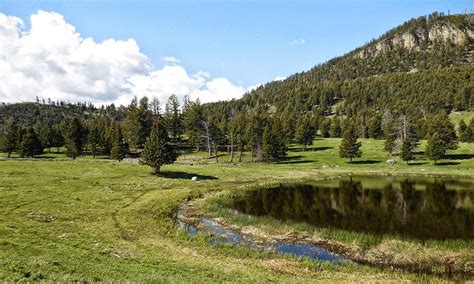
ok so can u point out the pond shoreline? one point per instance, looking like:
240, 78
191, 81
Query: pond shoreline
192, 212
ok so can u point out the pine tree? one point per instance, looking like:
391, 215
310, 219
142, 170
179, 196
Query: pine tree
30, 144
274, 144
463, 131
173, 117
145, 120
94, 138
305, 131
325, 128
336, 129
119, 145
407, 153
57, 137
435, 148
158, 151
441, 137
390, 136
350, 147
256, 123
74, 135
193, 118
238, 126
470, 131
9, 142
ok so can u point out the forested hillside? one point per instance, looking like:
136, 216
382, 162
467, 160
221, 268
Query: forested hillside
419, 67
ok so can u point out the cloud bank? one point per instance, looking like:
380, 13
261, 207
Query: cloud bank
52, 60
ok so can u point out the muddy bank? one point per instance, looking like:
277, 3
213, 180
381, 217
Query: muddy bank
390, 254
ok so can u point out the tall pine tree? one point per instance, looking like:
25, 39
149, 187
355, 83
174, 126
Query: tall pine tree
350, 147
158, 151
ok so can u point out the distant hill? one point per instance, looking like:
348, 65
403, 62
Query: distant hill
424, 65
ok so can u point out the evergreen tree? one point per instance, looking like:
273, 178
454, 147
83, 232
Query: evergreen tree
336, 129
408, 147
119, 145
238, 126
57, 137
463, 131
350, 147
325, 128
94, 138
9, 142
390, 136
441, 137
158, 151
193, 118
274, 144
138, 122
305, 131
145, 120
173, 117
375, 127
74, 136
30, 144
256, 123
470, 131
155, 107
435, 148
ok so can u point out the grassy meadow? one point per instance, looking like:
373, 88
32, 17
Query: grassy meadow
101, 220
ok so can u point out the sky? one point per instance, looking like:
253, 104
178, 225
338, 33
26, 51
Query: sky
108, 51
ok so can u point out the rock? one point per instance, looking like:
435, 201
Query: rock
325, 166
194, 178
391, 162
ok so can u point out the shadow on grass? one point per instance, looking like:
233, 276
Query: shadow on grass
284, 162
459, 156
447, 163
417, 163
365, 162
45, 157
184, 175
310, 149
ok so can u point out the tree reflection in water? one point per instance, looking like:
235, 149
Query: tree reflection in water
415, 208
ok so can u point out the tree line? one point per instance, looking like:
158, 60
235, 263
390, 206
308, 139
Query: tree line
144, 129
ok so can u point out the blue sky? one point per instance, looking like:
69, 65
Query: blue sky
248, 42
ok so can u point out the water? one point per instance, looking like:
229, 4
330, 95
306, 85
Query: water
225, 235
418, 208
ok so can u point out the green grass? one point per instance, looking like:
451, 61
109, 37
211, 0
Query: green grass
100, 220
457, 116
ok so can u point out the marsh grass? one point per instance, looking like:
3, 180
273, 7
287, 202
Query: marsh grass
101, 220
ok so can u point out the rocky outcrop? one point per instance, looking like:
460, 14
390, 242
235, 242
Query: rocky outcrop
419, 38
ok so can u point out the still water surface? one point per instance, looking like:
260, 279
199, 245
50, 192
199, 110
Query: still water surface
414, 207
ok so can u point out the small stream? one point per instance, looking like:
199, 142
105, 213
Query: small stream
225, 235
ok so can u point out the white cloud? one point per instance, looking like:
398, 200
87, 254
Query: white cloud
298, 41
52, 60
279, 78
170, 59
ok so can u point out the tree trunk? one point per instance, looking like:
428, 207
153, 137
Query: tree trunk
259, 150
350, 160
215, 151
231, 148
241, 153
157, 171
9, 153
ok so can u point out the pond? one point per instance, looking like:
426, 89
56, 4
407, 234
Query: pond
420, 208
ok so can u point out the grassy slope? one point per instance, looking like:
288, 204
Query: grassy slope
100, 220
457, 116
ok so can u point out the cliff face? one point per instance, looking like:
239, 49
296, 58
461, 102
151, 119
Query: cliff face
420, 39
